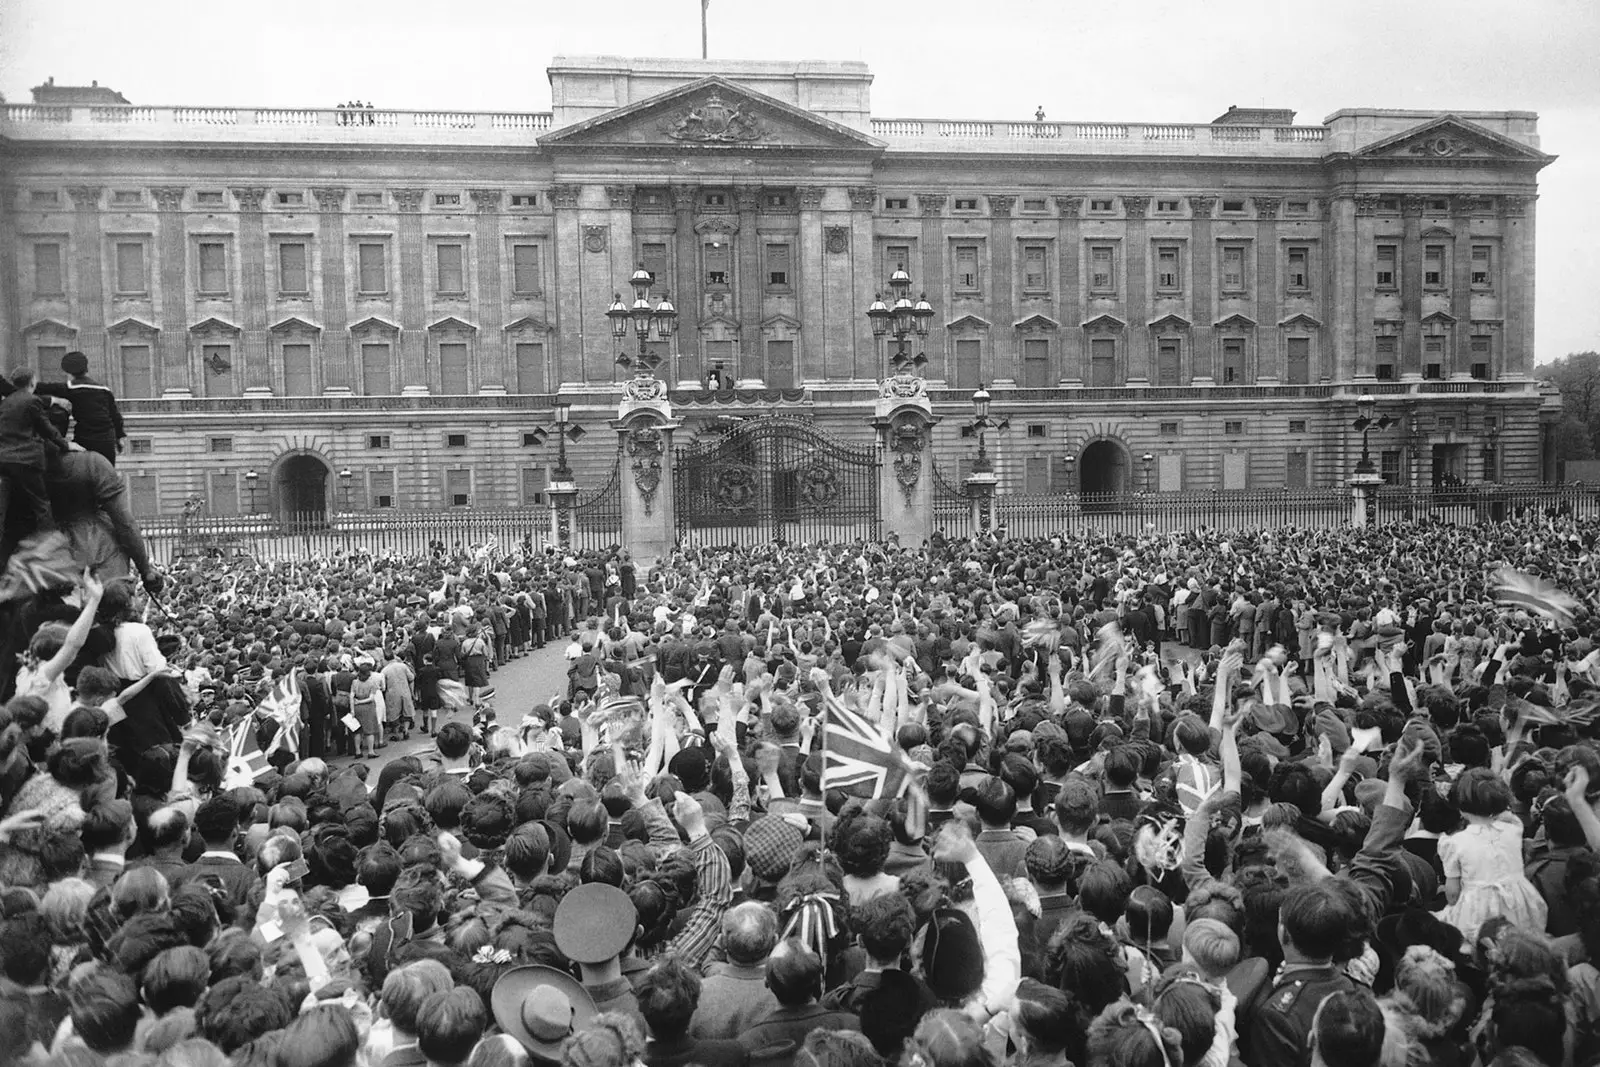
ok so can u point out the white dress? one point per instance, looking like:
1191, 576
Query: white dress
1487, 857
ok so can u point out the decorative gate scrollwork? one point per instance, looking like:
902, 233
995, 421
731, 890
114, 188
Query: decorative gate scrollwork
776, 478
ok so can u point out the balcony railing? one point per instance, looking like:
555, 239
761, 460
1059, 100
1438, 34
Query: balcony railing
1101, 136
357, 125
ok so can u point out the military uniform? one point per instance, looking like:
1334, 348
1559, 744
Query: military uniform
1280, 1024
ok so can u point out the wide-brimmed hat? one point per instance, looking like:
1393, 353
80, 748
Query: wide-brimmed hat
541, 1007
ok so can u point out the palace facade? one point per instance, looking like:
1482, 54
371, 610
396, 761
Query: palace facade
326, 309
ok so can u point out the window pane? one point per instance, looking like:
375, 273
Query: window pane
142, 492
453, 367
376, 379
1036, 364
130, 268
778, 266
213, 268
1299, 273
1167, 276
216, 367
1481, 260
451, 277
136, 383
1102, 362
533, 485
381, 486
1297, 368
1233, 268
969, 364
1102, 268
224, 494
292, 268
966, 266
1035, 269
1232, 361
780, 364
47, 279
374, 271
297, 370
716, 264
719, 359
530, 367
1167, 368
525, 268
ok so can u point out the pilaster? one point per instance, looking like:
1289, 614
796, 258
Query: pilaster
416, 376
493, 374
565, 283
813, 318
1138, 306
686, 368
1517, 232
1002, 290
1461, 285
863, 362
1411, 208
335, 301
932, 278
1267, 288
87, 247
171, 292
1341, 271
1069, 252
1363, 264
1202, 257
752, 359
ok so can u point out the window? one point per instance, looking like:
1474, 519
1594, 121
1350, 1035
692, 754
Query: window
1433, 267
780, 365
458, 488
1103, 362
1447, 423
1295, 474
1233, 269
1439, 204
1233, 428
146, 500
1482, 346
216, 369
1385, 273
1388, 203
127, 198
446, 199
209, 198
377, 376
1296, 209
1298, 259
1038, 430
380, 488
369, 200
530, 366
292, 275
1235, 470
1035, 204
379, 440
43, 197
525, 269
1297, 425
220, 444
1297, 361
297, 377
895, 257
1235, 207
453, 367
969, 363
776, 200
653, 258
372, 264
524, 200
1169, 429
49, 356
130, 268
716, 200
1168, 207
896, 203
716, 256
213, 268
1035, 268
452, 270
47, 273
534, 484
1036, 364
1036, 475
1482, 265
1232, 360
967, 277
140, 446
966, 203
1102, 268
1383, 365
1169, 276
291, 199
137, 375
224, 493
1433, 358
777, 266
1167, 365
1102, 205
455, 440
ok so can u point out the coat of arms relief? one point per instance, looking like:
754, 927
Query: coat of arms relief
714, 122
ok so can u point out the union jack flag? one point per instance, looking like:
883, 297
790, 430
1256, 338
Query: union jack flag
1514, 589
857, 754
246, 761
282, 705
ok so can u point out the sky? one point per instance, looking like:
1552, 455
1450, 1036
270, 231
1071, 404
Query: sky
1138, 60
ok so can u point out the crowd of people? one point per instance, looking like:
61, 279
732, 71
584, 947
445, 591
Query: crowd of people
1265, 797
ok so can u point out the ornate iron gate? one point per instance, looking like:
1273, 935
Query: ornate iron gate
597, 518
775, 478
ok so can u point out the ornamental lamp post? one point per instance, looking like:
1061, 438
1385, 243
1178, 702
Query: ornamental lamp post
1147, 459
346, 476
901, 318
250, 477
1366, 479
982, 481
662, 317
563, 490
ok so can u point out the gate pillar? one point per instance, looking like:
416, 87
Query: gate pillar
644, 426
904, 420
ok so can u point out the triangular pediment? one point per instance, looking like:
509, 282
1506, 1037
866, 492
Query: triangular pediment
294, 323
1170, 321
132, 324
1443, 318
1301, 321
375, 322
1235, 322
1451, 137
450, 322
528, 323
1106, 321
710, 113
968, 322
711, 321
780, 321
48, 326
1435, 231
1036, 321
214, 324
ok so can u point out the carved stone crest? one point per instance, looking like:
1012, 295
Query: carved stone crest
902, 387
906, 442
714, 122
645, 390
594, 238
837, 239
646, 445
1440, 146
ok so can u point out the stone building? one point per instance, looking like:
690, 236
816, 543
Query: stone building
374, 308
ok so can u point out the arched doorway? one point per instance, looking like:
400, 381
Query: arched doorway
300, 489
1103, 471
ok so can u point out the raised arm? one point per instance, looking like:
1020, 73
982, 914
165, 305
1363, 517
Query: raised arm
79, 632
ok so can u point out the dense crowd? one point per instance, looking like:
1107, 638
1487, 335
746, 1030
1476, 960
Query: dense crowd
1264, 797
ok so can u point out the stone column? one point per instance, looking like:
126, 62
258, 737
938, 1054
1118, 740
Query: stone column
752, 361
256, 342
415, 374
644, 435
565, 286
904, 420
1002, 291
1071, 281
171, 293
337, 375
1202, 256
863, 361
11, 287
1341, 267
1138, 305
1411, 207
1267, 288
931, 279
492, 372
1460, 356
686, 298
1516, 280
621, 260
812, 307
87, 245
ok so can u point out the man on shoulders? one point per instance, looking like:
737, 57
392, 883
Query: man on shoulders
96, 422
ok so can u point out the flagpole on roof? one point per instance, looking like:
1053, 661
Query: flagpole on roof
704, 5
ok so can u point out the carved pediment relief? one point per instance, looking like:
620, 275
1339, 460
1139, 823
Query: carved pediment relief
710, 113
375, 323
1450, 138
529, 324
1104, 322
214, 325
47, 327
294, 324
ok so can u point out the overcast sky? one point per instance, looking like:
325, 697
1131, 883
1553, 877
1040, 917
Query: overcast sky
1142, 60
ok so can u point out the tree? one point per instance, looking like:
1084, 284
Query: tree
1577, 377
1572, 439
